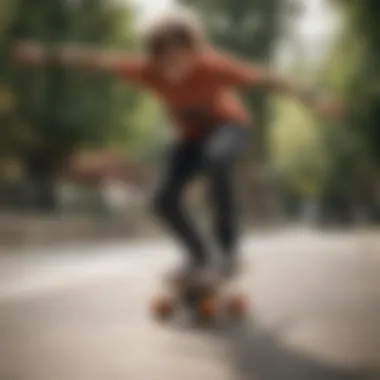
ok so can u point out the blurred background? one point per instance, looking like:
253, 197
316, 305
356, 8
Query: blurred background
78, 156
76, 143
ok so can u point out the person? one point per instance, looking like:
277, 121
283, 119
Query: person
198, 85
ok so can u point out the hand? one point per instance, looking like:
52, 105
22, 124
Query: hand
28, 52
330, 108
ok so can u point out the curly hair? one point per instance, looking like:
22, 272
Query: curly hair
178, 29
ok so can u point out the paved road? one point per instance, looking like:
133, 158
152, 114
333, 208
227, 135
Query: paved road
80, 314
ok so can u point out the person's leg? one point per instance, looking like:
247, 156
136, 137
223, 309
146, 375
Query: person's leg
221, 152
183, 163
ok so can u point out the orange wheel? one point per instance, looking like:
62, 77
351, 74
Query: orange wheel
237, 306
208, 309
163, 308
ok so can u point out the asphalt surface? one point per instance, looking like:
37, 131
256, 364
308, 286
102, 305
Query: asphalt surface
80, 313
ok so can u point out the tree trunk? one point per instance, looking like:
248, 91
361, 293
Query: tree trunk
40, 169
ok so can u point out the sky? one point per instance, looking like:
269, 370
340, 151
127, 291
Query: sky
152, 7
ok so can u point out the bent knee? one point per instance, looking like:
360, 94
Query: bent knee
215, 160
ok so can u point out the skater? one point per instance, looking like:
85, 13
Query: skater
198, 85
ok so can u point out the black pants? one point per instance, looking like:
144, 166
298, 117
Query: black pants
215, 157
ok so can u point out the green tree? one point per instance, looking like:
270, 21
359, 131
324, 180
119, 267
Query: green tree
48, 113
352, 71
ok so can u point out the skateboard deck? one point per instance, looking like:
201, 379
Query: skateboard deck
207, 300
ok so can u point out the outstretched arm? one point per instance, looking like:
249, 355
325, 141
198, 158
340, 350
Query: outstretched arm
238, 73
36, 54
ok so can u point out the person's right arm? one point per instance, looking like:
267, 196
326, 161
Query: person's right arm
36, 54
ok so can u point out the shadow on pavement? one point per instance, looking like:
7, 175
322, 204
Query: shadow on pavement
258, 355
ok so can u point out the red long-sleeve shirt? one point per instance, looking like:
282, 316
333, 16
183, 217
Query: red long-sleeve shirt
206, 98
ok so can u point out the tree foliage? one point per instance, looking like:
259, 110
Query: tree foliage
48, 113
53, 111
354, 69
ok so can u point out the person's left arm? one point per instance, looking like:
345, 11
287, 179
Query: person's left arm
237, 73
